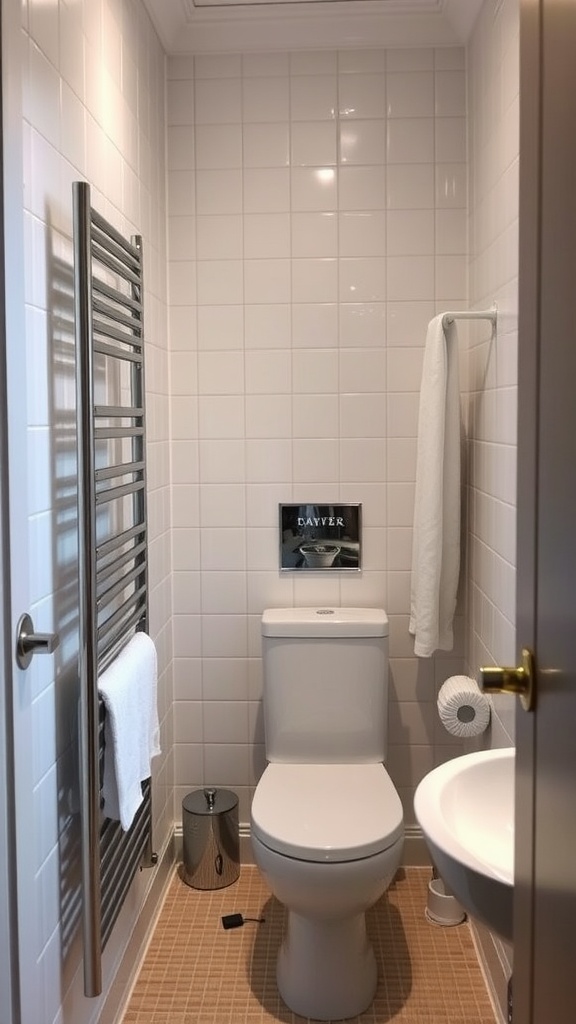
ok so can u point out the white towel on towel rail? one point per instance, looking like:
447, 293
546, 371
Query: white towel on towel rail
128, 688
437, 505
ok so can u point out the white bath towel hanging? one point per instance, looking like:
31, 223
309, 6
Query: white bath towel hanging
437, 507
131, 731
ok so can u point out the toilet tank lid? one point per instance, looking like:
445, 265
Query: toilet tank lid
326, 621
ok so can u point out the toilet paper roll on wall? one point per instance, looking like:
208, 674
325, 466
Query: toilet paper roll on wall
464, 710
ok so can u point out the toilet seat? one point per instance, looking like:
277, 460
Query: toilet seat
327, 812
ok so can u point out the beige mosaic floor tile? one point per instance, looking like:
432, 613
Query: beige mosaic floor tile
196, 972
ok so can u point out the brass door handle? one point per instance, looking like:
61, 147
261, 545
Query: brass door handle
520, 681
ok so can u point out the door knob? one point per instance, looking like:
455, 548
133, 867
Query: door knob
520, 681
28, 642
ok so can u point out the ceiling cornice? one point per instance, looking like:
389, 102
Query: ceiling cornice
210, 26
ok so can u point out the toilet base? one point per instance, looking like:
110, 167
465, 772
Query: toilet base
326, 970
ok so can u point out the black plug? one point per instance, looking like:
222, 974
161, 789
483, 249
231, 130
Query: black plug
237, 920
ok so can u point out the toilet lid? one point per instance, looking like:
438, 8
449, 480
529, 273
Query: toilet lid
327, 812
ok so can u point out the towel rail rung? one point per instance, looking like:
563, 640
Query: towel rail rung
125, 337
119, 353
108, 546
118, 297
114, 493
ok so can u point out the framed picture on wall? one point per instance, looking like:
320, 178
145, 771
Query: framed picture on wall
320, 538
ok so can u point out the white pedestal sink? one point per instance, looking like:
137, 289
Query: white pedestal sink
465, 809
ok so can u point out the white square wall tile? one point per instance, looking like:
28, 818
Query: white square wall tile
265, 65
222, 505
362, 188
410, 94
451, 186
410, 140
314, 234
267, 325
266, 145
450, 141
362, 233
315, 371
181, 148
219, 282
182, 283
219, 191
313, 189
268, 416
266, 235
410, 232
362, 280
223, 592
222, 549
220, 327
362, 324
313, 62
404, 369
362, 370
268, 459
267, 281
218, 101
362, 142
363, 461
450, 93
410, 186
225, 721
265, 99
221, 462
362, 95
219, 237
451, 232
406, 59
315, 461
180, 102
361, 61
220, 373
268, 372
362, 415
315, 416
217, 65
313, 97
313, 143
218, 146
266, 190
314, 280
315, 325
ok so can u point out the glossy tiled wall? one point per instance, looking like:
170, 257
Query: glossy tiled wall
317, 209
92, 78
494, 123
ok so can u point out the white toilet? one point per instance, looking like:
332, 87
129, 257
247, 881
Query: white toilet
327, 825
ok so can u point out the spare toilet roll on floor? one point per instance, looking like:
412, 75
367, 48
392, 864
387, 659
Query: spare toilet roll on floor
463, 709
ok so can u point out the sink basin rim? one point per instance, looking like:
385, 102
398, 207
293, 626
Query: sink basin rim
430, 808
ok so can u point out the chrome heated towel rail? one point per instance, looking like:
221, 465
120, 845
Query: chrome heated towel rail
112, 555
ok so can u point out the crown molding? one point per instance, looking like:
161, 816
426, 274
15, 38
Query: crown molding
220, 26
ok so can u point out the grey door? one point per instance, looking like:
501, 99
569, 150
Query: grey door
545, 895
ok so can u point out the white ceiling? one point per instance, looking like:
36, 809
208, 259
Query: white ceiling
202, 26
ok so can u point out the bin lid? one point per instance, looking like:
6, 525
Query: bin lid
210, 801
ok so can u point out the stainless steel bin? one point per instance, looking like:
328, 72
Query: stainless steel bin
211, 846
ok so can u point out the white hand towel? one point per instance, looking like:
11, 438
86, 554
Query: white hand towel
437, 508
131, 730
